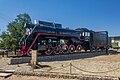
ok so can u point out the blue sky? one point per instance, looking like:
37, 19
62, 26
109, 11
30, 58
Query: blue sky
96, 15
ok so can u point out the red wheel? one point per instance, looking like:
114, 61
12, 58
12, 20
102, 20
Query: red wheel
79, 48
57, 49
71, 48
48, 51
64, 48
20, 53
29, 52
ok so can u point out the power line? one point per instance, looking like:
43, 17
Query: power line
2, 16
5, 19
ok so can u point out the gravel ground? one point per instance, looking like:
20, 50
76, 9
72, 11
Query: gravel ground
14, 77
88, 66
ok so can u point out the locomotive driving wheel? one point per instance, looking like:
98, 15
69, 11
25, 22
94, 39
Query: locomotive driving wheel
29, 52
19, 53
57, 49
79, 48
64, 49
71, 48
48, 51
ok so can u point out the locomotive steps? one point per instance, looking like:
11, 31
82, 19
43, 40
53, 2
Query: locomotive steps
72, 56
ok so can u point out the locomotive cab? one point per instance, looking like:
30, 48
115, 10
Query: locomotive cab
86, 37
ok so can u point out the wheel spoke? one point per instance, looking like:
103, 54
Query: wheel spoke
48, 51
79, 47
71, 48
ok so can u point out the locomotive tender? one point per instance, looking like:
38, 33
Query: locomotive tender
50, 38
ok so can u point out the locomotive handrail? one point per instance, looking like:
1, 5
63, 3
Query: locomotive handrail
21, 39
33, 42
29, 34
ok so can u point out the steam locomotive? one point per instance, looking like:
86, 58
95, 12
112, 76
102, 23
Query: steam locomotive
50, 38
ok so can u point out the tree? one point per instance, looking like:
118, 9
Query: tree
15, 30
6, 41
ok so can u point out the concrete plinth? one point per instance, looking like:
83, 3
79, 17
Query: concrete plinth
21, 60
